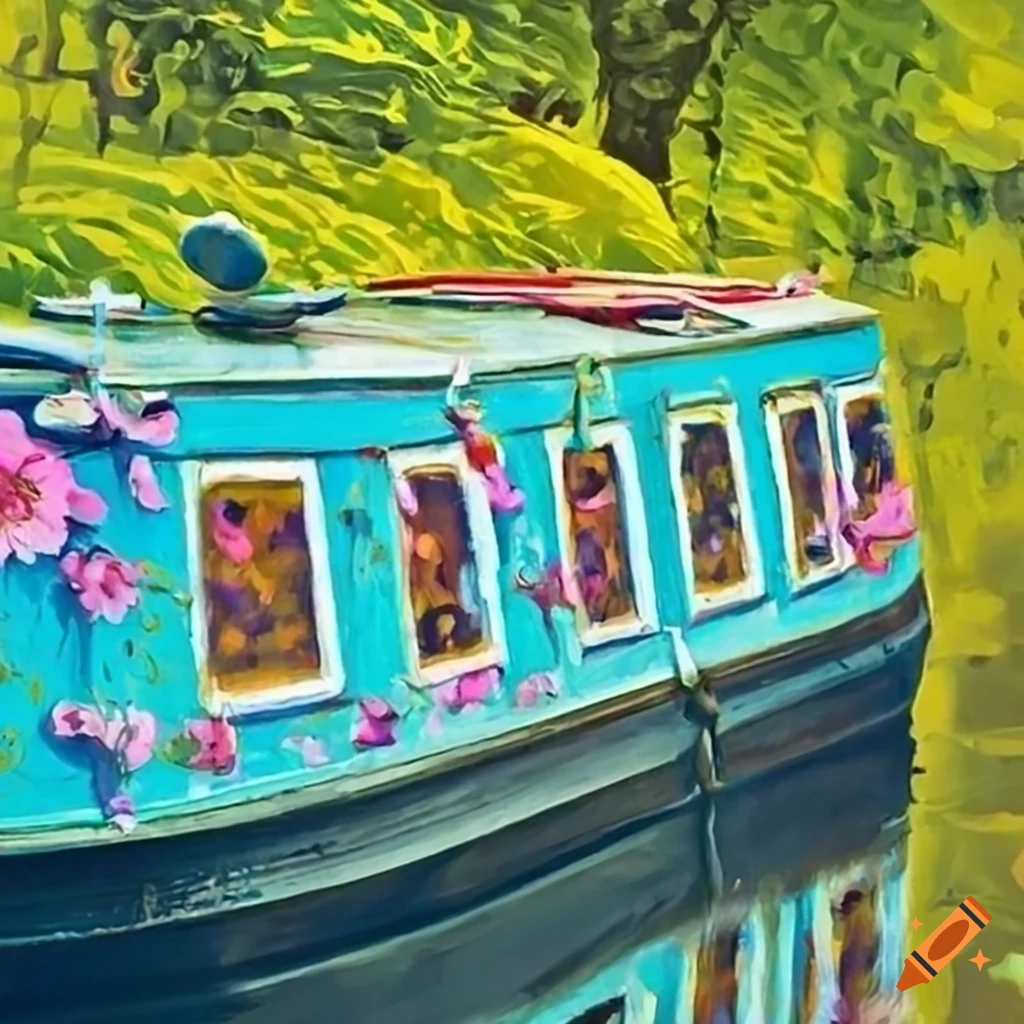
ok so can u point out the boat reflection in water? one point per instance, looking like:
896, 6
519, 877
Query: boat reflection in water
819, 940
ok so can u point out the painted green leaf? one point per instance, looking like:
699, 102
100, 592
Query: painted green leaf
12, 750
180, 750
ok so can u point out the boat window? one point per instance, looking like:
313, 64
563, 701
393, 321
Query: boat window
265, 611
603, 533
801, 448
716, 521
613, 1011
718, 978
450, 564
867, 447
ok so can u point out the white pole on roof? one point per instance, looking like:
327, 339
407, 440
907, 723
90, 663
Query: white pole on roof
100, 295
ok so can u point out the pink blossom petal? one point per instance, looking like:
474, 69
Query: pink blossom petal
85, 505
107, 586
891, 523
70, 720
406, 495
370, 732
38, 494
111, 411
502, 495
312, 751
218, 745
378, 709
137, 747
120, 811
533, 688
527, 694
446, 695
156, 429
15, 444
144, 484
476, 687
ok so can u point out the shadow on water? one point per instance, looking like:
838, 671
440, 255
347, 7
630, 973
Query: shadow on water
533, 946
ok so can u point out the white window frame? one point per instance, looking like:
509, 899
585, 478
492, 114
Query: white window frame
329, 683
617, 436
752, 587
484, 545
777, 404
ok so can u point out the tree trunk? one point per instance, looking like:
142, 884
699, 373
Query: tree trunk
651, 54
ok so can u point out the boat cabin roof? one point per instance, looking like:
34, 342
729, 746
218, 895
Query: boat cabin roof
415, 328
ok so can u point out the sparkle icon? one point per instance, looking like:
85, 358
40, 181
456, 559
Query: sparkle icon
915, 924
980, 960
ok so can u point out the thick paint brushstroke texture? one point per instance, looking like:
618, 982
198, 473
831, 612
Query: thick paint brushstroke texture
381, 136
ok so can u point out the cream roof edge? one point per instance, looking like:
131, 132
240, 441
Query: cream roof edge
390, 343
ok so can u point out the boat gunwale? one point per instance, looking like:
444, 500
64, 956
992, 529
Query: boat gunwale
726, 679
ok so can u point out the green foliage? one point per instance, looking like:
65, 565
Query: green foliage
375, 136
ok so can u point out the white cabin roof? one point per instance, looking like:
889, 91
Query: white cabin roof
372, 339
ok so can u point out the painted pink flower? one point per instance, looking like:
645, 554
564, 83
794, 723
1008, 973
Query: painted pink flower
375, 726
69, 720
120, 811
129, 734
135, 736
38, 495
483, 456
125, 419
556, 587
229, 534
309, 748
216, 743
533, 689
107, 586
892, 523
468, 691
122, 742
502, 494
140, 417
144, 485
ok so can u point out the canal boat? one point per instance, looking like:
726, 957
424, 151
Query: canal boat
327, 620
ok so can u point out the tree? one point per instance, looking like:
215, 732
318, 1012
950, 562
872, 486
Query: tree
652, 53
